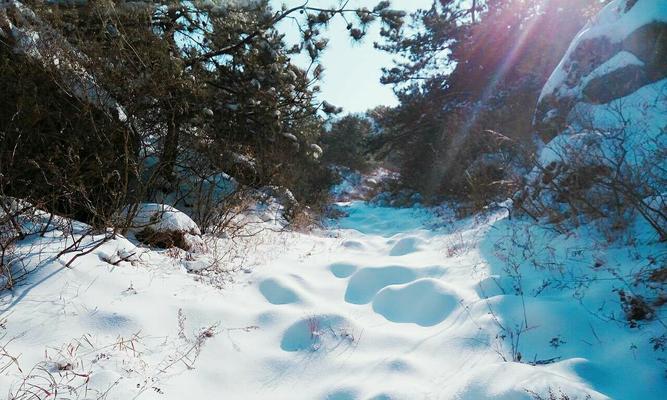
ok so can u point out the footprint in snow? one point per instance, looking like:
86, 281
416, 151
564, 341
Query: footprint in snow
104, 321
318, 332
342, 394
342, 270
382, 397
353, 245
277, 292
399, 366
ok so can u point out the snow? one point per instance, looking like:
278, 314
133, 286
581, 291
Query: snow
316, 151
620, 60
425, 302
355, 186
614, 24
637, 122
160, 218
385, 304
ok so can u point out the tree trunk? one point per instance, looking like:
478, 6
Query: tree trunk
171, 139
473, 9
170, 149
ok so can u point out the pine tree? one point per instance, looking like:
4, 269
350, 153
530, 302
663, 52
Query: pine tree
469, 69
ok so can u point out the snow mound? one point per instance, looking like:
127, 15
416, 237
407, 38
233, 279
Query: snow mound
366, 282
424, 302
406, 246
117, 250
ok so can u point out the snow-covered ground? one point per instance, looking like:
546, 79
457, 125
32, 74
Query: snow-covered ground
384, 304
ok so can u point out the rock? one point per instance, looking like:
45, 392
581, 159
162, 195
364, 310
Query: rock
622, 50
161, 225
602, 115
649, 44
614, 85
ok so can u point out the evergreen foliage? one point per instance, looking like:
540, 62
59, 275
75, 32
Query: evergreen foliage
470, 75
137, 99
346, 142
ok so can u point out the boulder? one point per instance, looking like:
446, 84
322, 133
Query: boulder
161, 225
621, 50
603, 117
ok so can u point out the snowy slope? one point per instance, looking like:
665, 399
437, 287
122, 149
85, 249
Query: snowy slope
382, 305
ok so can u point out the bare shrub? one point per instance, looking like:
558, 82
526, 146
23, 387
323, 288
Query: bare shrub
554, 395
66, 370
19, 222
604, 175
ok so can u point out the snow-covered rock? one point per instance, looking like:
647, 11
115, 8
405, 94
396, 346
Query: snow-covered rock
619, 51
161, 217
161, 225
316, 151
375, 185
604, 113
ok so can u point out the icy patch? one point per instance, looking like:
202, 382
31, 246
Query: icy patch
425, 302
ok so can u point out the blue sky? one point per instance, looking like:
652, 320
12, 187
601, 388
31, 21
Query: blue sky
352, 70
